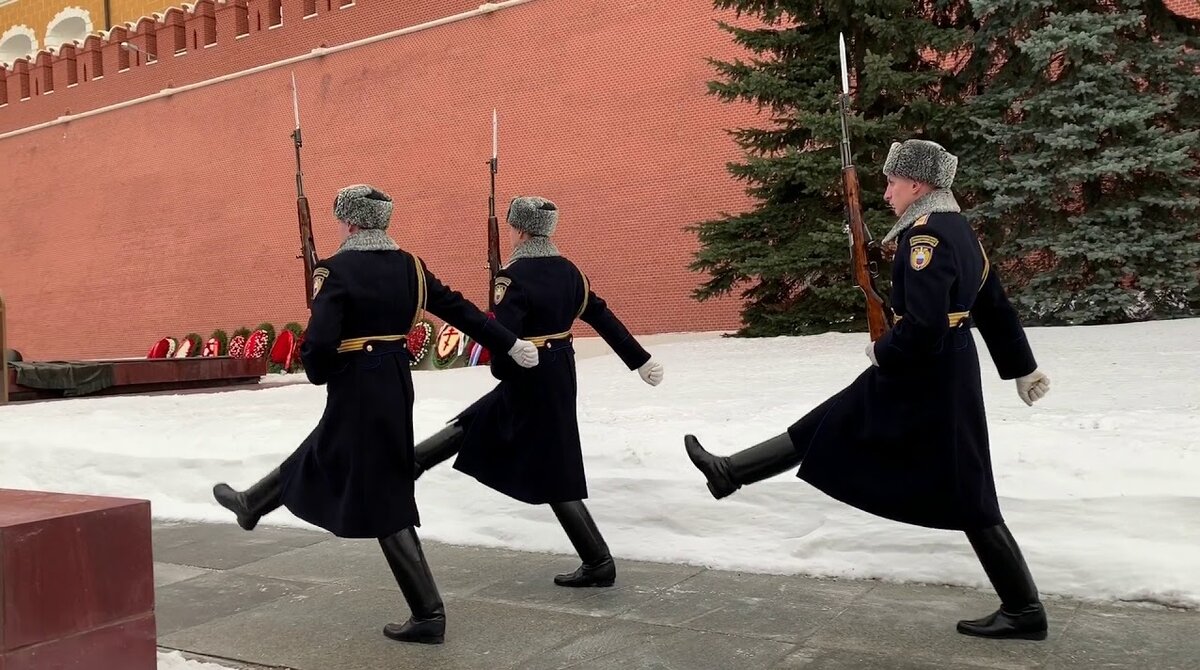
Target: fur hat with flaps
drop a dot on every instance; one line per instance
(364, 206)
(534, 215)
(923, 161)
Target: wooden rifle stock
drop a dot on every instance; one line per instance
(865, 256)
(308, 248)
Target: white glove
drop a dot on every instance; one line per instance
(1033, 386)
(871, 354)
(524, 353)
(651, 372)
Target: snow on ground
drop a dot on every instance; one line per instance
(1098, 481)
(175, 661)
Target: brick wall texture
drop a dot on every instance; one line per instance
(123, 219)
(177, 214)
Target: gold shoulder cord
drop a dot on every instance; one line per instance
(422, 293)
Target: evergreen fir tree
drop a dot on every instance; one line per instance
(789, 255)
(1093, 117)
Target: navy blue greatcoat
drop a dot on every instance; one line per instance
(522, 438)
(353, 474)
(908, 440)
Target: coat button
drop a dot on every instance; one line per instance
(549, 345)
(370, 348)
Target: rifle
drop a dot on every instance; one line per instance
(308, 248)
(493, 249)
(865, 253)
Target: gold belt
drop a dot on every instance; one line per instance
(955, 318)
(356, 343)
(542, 340)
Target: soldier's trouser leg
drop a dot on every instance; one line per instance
(726, 474)
(1021, 614)
(437, 448)
(427, 625)
(598, 568)
(252, 504)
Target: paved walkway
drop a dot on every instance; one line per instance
(301, 600)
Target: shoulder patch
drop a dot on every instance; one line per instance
(500, 288)
(920, 256)
(319, 276)
(923, 239)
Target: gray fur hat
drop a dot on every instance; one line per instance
(364, 206)
(534, 215)
(923, 161)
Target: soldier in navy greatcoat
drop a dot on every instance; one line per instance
(353, 474)
(522, 438)
(908, 439)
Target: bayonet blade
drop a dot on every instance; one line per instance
(845, 73)
(295, 101)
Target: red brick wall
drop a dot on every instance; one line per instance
(178, 214)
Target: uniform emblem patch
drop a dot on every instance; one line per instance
(920, 256)
(319, 276)
(500, 288)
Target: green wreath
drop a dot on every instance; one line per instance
(441, 361)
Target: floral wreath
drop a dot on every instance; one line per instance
(420, 338)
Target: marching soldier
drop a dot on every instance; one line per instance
(908, 439)
(522, 438)
(353, 474)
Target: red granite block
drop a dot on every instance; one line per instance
(126, 645)
(76, 581)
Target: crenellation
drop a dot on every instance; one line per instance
(65, 66)
(202, 25)
(172, 32)
(91, 59)
(145, 38)
(43, 73)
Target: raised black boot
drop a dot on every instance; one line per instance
(437, 448)
(598, 567)
(726, 474)
(1021, 614)
(427, 625)
(252, 504)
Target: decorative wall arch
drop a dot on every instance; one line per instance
(17, 42)
(72, 24)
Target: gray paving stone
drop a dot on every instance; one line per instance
(169, 573)
(917, 623)
(215, 595)
(339, 628)
(358, 563)
(282, 598)
(601, 647)
(637, 584)
(786, 609)
(1129, 637)
(810, 658)
(224, 546)
(693, 650)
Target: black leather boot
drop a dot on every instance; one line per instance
(427, 625)
(439, 447)
(726, 474)
(598, 567)
(255, 502)
(1021, 614)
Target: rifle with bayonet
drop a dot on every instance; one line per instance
(308, 248)
(493, 248)
(865, 253)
